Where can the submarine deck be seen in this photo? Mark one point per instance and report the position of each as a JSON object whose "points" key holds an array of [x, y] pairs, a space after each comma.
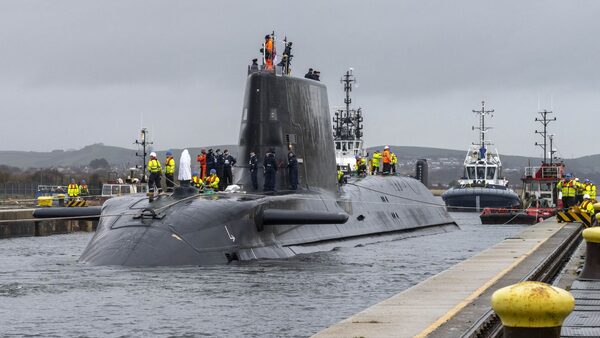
{"points": [[449, 303]]}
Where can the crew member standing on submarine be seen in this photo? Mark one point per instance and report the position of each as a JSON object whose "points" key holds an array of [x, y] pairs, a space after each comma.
{"points": [[220, 167], [155, 170], [254, 170], [210, 161], [270, 167], [293, 170], [202, 161], [268, 51], [170, 171], [228, 162]]}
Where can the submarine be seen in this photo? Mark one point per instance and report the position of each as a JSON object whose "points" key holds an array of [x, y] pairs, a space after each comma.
{"points": [[281, 113]]}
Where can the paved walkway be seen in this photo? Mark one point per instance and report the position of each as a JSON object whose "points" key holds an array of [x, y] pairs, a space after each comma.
{"points": [[420, 310]]}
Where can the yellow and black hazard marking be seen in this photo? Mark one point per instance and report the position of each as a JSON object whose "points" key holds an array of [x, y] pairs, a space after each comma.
{"points": [[574, 216], [77, 203]]}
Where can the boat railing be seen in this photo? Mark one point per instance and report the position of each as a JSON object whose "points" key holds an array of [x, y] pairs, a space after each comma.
{"points": [[543, 172]]}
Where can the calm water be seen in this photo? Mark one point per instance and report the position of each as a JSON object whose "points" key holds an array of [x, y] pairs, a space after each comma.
{"points": [[44, 292]]}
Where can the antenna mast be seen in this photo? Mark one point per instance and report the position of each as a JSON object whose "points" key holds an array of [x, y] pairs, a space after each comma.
{"points": [[143, 143], [545, 121], [348, 122], [482, 129]]}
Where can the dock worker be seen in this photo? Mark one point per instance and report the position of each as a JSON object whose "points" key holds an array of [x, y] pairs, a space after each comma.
{"points": [[292, 166], [212, 181], [393, 164], [587, 205], [578, 191], [73, 189], [83, 189], [155, 170], [169, 171], [228, 163], [361, 166], [387, 160], [375, 162], [568, 188], [340, 176], [270, 170], [589, 188], [185, 168], [196, 180], [202, 161], [253, 163]]}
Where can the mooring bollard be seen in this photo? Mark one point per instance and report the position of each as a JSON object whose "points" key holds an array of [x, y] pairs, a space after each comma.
{"points": [[532, 309], [591, 267]]}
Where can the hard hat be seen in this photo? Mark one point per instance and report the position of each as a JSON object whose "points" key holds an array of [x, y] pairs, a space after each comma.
{"points": [[213, 171], [72, 180], [386, 147], [577, 179], [152, 154], [169, 153], [203, 150], [568, 175], [586, 197], [587, 180], [195, 173], [83, 181]]}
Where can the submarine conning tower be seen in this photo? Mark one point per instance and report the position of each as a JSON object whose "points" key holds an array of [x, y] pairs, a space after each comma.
{"points": [[287, 113]]}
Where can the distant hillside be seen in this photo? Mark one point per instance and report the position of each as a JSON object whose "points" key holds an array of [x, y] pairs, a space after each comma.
{"points": [[445, 165]]}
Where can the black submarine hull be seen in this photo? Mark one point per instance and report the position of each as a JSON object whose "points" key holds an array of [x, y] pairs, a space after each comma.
{"points": [[214, 229], [280, 114]]}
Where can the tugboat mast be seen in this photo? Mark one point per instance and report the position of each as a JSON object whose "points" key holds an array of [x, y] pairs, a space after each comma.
{"points": [[545, 121], [482, 129], [348, 122], [143, 143]]}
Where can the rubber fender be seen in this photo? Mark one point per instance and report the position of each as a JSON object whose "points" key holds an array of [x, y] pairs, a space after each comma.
{"points": [[67, 212]]}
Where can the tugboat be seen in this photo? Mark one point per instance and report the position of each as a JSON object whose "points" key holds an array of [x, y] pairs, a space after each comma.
{"points": [[539, 194], [347, 130], [482, 185]]}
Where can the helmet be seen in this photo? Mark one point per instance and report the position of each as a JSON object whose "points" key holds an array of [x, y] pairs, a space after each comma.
{"points": [[83, 181], [169, 153], [586, 197], [195, 173], [203, 150], [386, 147], [152, 154], [587, 180], [72, 180], [577, 179], [569, 175], [213, 171]]}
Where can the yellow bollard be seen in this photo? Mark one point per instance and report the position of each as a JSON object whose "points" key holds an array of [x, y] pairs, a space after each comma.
{"points": [[532, 309], [591, 268]]}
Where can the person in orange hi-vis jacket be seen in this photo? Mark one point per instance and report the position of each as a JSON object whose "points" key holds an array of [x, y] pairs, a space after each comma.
{"points": [[202, 160]]}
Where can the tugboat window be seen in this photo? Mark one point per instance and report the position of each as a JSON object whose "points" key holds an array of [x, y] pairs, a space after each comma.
{"points": [[470, 173], [490, 173], [480, 173]]}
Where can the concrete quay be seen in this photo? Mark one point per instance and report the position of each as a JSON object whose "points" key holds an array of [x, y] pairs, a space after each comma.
{"points": [[449, 303], [23, 224]]}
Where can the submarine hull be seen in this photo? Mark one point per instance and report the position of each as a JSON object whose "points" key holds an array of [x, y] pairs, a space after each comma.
{"points": [[476, 199], [214, 229]]}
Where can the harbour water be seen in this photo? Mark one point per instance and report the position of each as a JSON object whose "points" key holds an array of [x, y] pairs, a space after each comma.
{"points": [[44, 292]]}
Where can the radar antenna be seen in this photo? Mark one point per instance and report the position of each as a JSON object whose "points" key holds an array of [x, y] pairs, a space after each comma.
{"points": [[144, 143], [545, 121], [482, 128]]}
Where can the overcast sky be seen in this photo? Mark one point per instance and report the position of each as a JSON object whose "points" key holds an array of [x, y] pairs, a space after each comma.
{"points": [[73, 73]]}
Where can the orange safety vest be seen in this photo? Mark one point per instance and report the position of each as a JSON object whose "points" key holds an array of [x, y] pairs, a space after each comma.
{"points": [[387, 158]]}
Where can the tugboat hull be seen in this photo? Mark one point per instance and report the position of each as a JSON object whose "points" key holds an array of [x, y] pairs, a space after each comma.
{"points": [[475, 199]]}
